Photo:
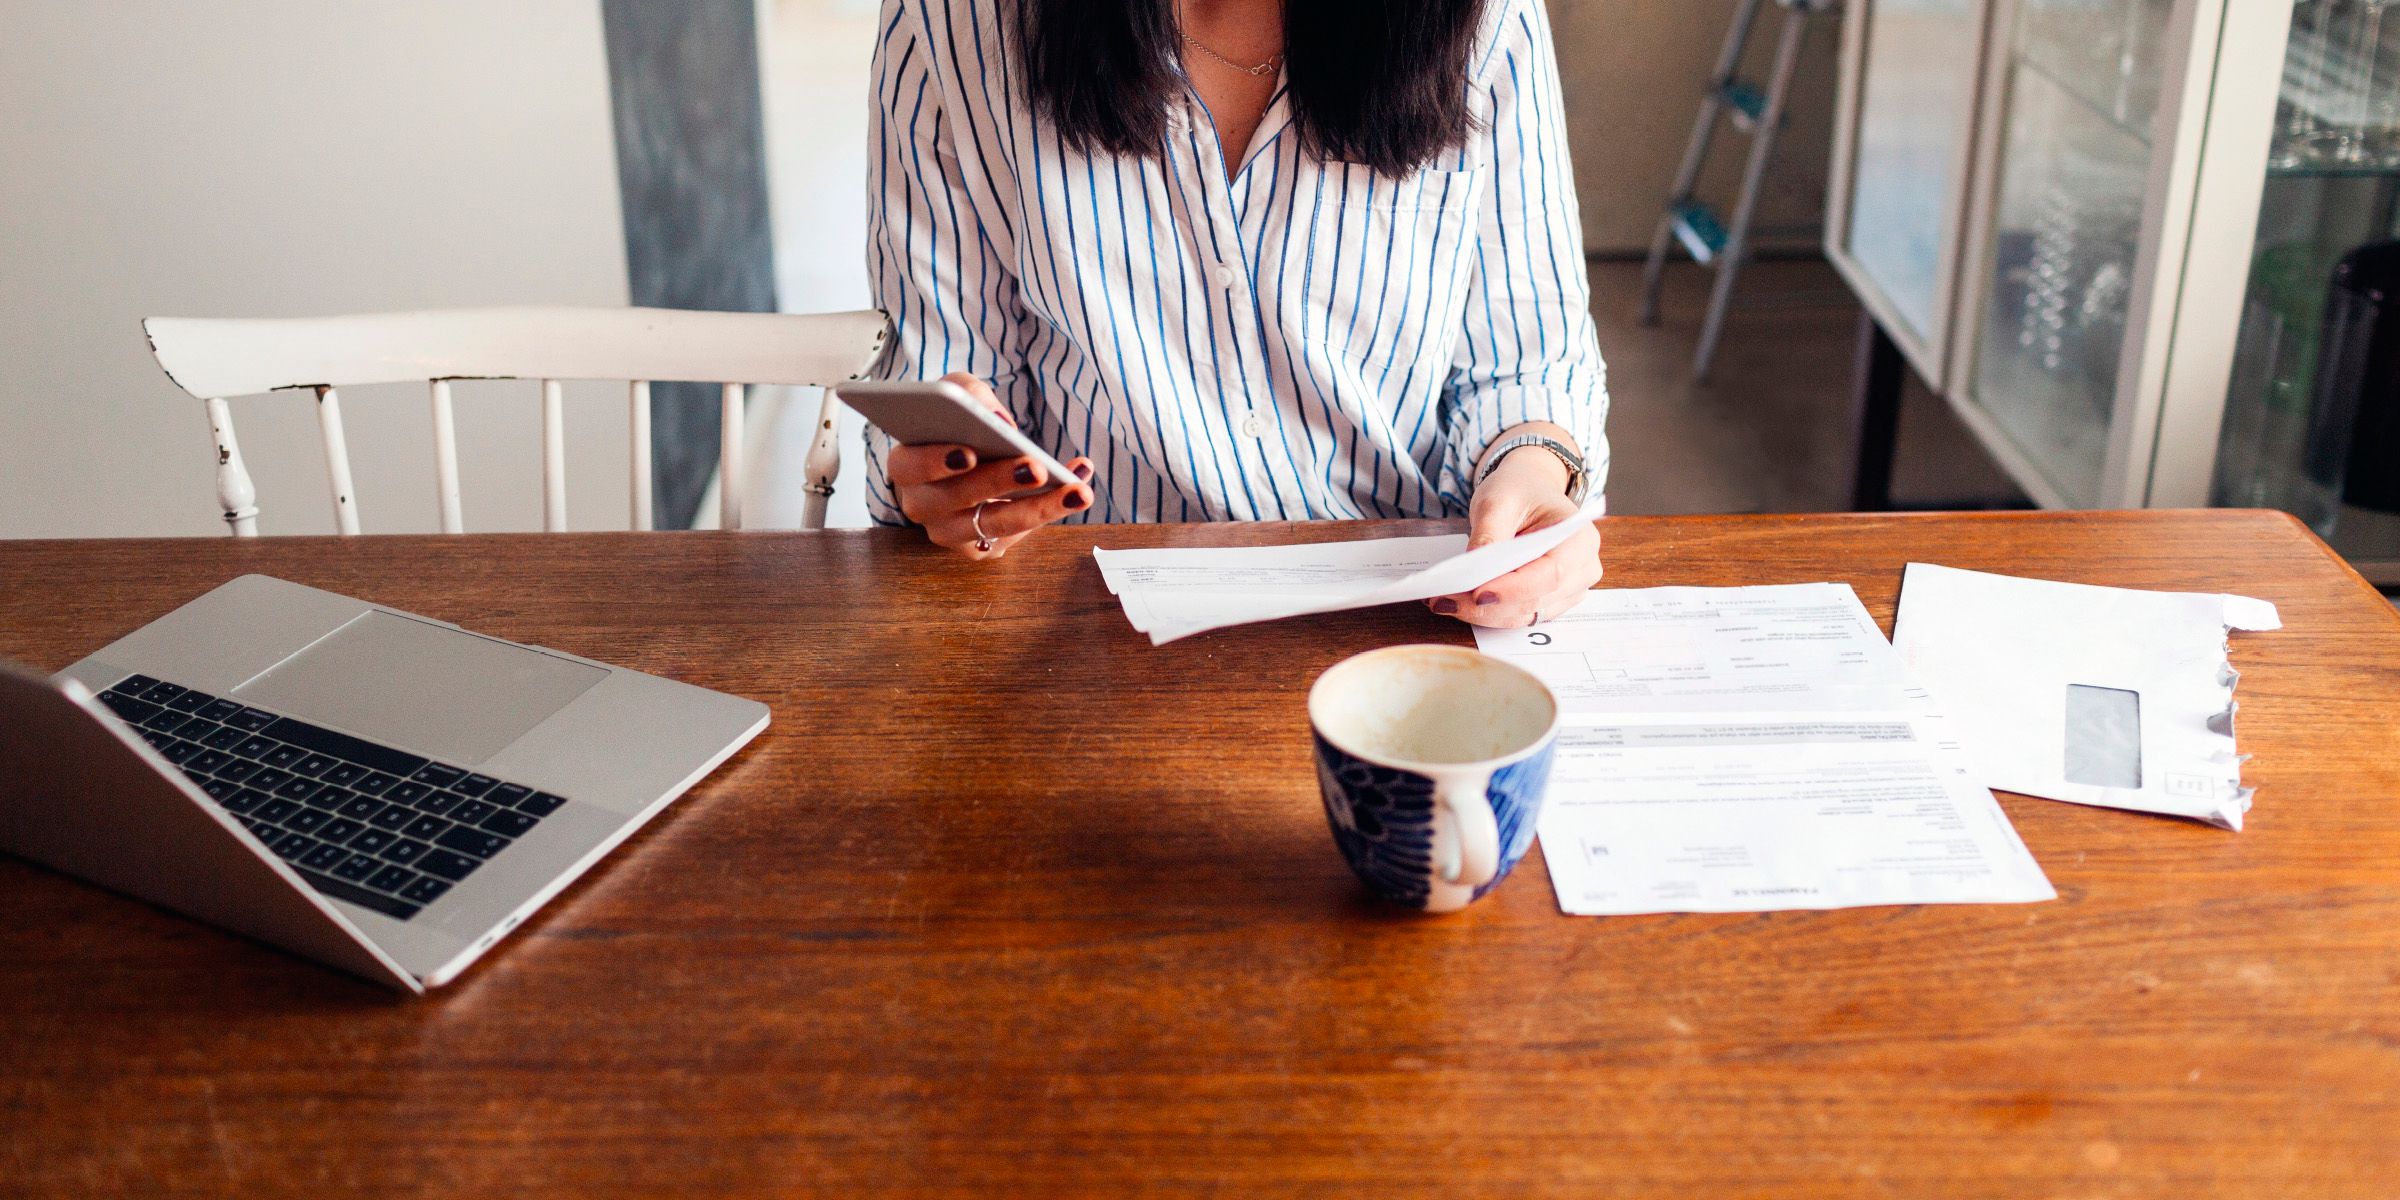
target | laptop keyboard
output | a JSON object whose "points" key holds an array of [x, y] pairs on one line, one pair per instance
{"points": [[381, 828]]}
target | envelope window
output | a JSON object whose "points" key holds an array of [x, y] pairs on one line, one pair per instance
{"points": [[2104, 736]]}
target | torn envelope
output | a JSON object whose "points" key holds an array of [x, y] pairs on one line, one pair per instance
{"points": [[2095, 695]]}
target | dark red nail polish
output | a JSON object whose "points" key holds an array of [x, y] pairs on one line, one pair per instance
{"points": [[958, 460], [1025, 474], [1083, 471], [1446, 606], [1487, 597], [1076, 500]]}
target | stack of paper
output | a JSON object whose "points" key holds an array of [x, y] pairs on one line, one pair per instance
{"points": [[1172, 594], [1744, 749]]}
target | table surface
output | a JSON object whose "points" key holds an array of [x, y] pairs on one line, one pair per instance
{"points": [[1008, 902]]}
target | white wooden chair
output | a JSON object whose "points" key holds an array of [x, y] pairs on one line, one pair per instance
{"points": [[216, 360]]}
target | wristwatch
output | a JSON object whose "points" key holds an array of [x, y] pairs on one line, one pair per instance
{"points": [[1579, 478]]}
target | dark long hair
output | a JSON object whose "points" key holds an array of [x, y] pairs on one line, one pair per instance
{"points": [[1380, 82]]}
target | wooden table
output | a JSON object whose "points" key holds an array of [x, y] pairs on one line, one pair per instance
{"points": [[1008, 903]]}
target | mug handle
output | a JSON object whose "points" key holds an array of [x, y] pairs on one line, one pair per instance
{"points": [[1473, 832]]}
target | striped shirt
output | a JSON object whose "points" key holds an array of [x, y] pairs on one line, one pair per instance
{"points": [[1306, 340]]}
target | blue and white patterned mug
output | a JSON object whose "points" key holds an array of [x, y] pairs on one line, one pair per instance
{"points": [[1434, 761]]}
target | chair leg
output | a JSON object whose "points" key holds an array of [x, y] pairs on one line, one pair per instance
{"points": [[824, 463], [237, 497]]}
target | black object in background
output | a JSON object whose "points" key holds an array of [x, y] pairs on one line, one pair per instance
{"points": [[2354, 436]]}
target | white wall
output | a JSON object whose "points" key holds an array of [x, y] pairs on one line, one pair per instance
{"points": [[287, 157], [814, 71]]}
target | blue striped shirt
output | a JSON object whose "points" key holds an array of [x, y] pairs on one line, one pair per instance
{"points": [[1307, 339]]}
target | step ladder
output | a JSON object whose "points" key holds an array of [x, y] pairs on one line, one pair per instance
{"points": [[1712, 241]]}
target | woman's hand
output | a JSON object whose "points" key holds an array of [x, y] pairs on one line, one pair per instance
{"points": [[1527, 491], [941, 486]]}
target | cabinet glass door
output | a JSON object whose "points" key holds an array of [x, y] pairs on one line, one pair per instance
{"points": [[2083, 83], [1916, 113], [2332, 193]]}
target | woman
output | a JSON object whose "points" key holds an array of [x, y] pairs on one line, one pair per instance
{"points": [[1258, 261]]}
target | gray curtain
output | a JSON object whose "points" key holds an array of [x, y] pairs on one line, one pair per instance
{"points": [[691, 164]]}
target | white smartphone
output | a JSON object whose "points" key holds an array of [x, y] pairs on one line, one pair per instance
{"points": [[934, 413]]}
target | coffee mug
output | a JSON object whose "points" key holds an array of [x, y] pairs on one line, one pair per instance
{"points": [[1433, 761]]}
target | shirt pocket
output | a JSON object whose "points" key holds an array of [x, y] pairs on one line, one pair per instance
{"points": [[1386, 257]]}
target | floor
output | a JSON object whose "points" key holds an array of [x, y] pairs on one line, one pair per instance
{"points": [[1770, 431]]}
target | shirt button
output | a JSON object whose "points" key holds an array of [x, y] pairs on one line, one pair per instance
{"points": [[1226, 276], [1254, 425]]}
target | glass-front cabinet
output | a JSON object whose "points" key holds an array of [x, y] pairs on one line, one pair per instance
{"points": [[2137, 243]]}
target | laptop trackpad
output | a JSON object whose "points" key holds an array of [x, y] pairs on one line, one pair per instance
{"points": [[421, 687]]}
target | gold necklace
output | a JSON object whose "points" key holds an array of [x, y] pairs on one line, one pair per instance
{"points": [[1268, 67]]}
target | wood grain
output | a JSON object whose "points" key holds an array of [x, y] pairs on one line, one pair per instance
{"points": [[1009, 903]]}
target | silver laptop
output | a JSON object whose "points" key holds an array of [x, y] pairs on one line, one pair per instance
{"points": [[370, 788]]}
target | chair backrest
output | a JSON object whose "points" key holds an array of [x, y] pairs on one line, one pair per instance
{"points": [[215, 360]]}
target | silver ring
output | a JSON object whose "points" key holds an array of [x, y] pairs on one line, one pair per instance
{"points": [[983, 541]]}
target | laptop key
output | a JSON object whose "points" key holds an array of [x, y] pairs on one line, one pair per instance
{"points": [[253, 746], [509, 824], [251, 720], [394, 816], [315, 765], [405, 851], [331, 799], [322, 856], [408, 793], [207, 762], [340, 829], [343, 889], [440, 803], [440, 775], [276, 810], [540, 804], [474, 785], [218, 710], [160, 693], [225, 738], [270, 779], [471, 841], [359, 808], [157, 739], [358, 866], [508, 794], [307, 820], [191, 702], [237, 770], [292, 845], [425, 890], [425, 829], [372, 841], [167, 720], [180, 752], [376, 783], [219, 789], [392, 879], [449, 866], [245, 800], [298, 789], [472, 812], [135, 685], [283, 756], [344, 774], [128, 709]]}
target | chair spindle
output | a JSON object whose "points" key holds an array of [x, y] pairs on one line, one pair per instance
{"points": [[554, 457], [638, 413], [337, 461], [729, 460], [445, 459]]}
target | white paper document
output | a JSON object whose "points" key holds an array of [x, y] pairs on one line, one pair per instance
{"points": [[1172, 594], [1748, 749], [2097, 695]]}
